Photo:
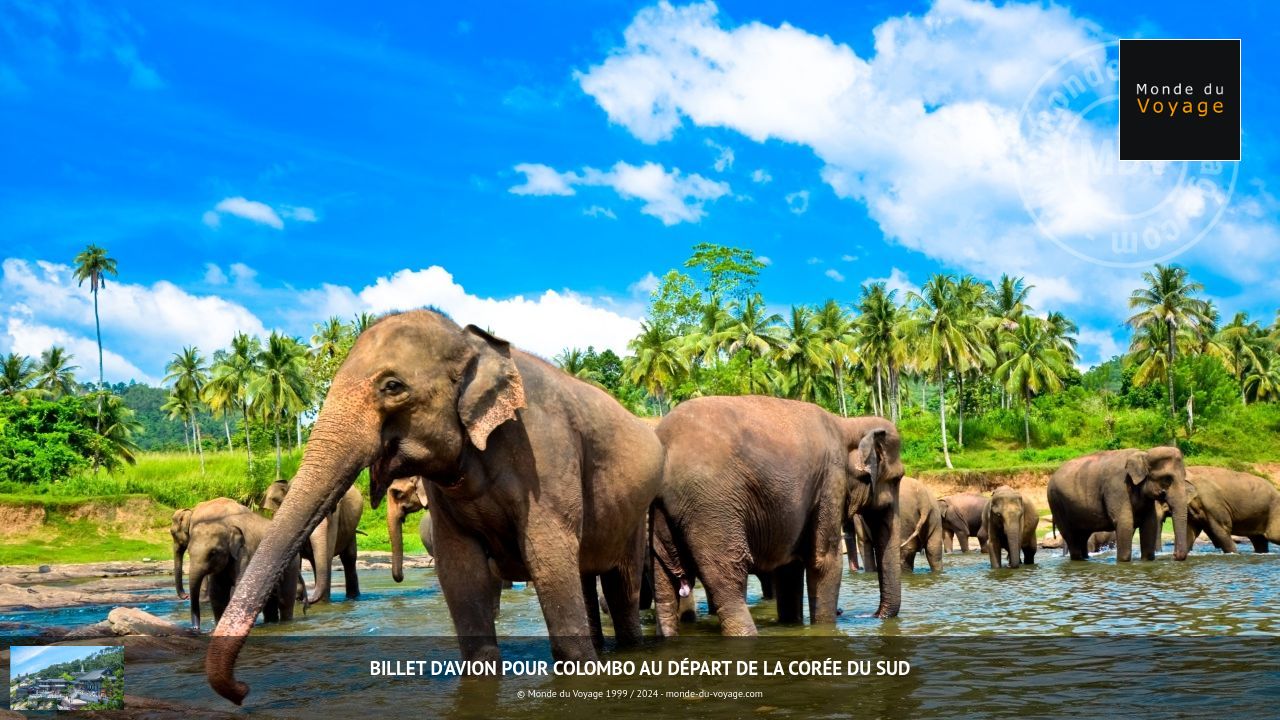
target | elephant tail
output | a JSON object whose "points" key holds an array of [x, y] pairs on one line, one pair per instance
{"points": [[666, 548]]}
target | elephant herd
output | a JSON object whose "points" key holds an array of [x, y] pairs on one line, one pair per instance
{"points": [[533, 475]]}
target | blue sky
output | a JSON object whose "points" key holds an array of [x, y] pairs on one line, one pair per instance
{"points": [[25, 659], [531, 167]]}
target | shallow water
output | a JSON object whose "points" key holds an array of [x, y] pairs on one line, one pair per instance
{"points": [[948, 623]]}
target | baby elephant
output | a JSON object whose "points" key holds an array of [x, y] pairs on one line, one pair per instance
{"points": [[1010, 519], [1224, 503], [220, 551]]}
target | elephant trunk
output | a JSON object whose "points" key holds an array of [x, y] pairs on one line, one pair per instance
{"points": [[343, 442], [178, 550], [395, 529], [1013, 537], [321, 560], [1177, 499], [197, 581], [886, 540]]}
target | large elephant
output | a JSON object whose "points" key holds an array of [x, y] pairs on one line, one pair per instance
{"points": [[1119, 490], [1010, 519], [540, 472], [1224, 503], [220, 551], [180, 529], [761, 484], [961, 518], [336, 536], [919, 525]]}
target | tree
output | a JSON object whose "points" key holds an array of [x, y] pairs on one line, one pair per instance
{"points": [[1242, 340], [232, 378], [836, 333], [189, 375], [947, 338], [657, 363], [753, 330], [1169, 299], [1034, 364], [362, 322], [117, 427], [94, 265], [280, 389], [730, 272], [575, 362], [880, 343], [55, 375], [1262, 382], [802, 357], [16, 375]]}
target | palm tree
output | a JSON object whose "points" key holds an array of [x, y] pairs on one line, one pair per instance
{"points": [[574, 362], [1242, 341], [1169, 299], [803, 356], [55, 375], [1263, 379], [16, 373], [180, 407], [330, 338], [94, 265], [836, 333], [189, 375], [232, 378], [1035, 364], [1061, 331], [1007, 302], [116, 437], [947, 338], [280, 389], [219, 398], [657, 363], [753, 330], [880, 343], [972, 297], [362, 322]]}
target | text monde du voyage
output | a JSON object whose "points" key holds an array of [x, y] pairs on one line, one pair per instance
{"points": [[1179, 99]]}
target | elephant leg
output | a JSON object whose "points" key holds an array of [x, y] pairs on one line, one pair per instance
{"points": [[767, 591], [552, 559], [220, 594], [946, 541], [1075, 541], [1124, 534], [271, 611], [823, 578], [470, 590], [1149, 534], [592, 600], [962, 538], [726, 585], [349, 574], [665, 601], [1220, 535], [789, 592], [622, 593], [993, 552], [1259, 544], [933, 551]]}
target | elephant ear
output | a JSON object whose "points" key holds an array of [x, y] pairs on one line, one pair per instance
{"points": [[235, 544], [866, 459], [1136, 468], [420, 488], [492, 389]]}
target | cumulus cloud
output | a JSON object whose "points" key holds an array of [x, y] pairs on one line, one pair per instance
{"points": [[761, 176], [256, 212], [834, 275], [924, 130], [724, 156], [599, 211], [645, 285], [1096, 346], [669, 196], [213, 274], [798, 202], [897, 280]]}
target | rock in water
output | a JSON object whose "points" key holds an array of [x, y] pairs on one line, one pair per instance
{"points": [[132, 621]]}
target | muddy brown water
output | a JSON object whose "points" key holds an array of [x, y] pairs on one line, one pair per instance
{"points": [[1047, 640]]}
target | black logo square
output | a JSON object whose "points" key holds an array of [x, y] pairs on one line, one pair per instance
{"points": [[1180, 100]]}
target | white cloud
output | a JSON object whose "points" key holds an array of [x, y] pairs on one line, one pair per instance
{"points": [[545, 325], [645, 285], [251, 210], [1096, 346], [761, 176], [814, 261], [45, 305], [213, 275], [212, 219], [798, 202], [541, 179], [599, 211], [301, 214], [672, 197], [30, 338], [834, 275], [848, 258], [924, 131], [898, 281], [765, 260], [724, 156]]}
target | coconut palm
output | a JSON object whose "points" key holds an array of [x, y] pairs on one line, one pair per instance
{"points": [[330, 338], [280, 390], [753, 330], [231, 381], [836, 332], [657, 363], [1262, 382], [93, 265], [115, 440], [574, 362], [179, 406], [16, 375], [189, 375], [1169, 299], [1035, 364], [947, 336], [879, 342], [1242, 341], [803, 357], [362, 322], [1061, 331], [55, 375], [218, 397]]}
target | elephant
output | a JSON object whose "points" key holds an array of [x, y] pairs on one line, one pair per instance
{"points": [[1118, 490], [336, 536], [1100, 541], [544, 474], [961, 518], [406, 496], [274, 496], [919, 524], [1011, 520], [762, 484], [220, 550], [180, 529], [1224, 503]]}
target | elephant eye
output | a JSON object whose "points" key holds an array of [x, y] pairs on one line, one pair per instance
{"points": [[393, 387]]}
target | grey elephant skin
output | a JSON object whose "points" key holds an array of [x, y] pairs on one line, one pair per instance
{"points": [[1118, 491], [1225, 502], [180, 530], [273, 498], [406, 496], [335, 536], [760, 484], [919, 525], [961, 519], [220, 550], [542, 473], [1011, 520]]}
